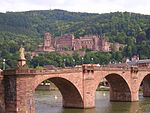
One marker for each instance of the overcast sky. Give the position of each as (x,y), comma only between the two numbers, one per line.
(91,6)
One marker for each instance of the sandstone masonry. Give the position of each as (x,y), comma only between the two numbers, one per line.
(69,42)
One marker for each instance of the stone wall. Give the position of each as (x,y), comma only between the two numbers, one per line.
(64,42)
(10,93)
(2,105)
(68,42)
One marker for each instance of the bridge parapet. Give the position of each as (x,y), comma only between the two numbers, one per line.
(105,68)
(88,69)
(29,71)
(134,69)
(144,69)
(84,69)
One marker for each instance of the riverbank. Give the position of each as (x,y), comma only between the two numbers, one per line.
(103,88)
(47,87)
(53,88)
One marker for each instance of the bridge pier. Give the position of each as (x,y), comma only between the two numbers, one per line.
(88,87)
(134,83)
(18,93)
(25,94)
(134,96)
(2,103)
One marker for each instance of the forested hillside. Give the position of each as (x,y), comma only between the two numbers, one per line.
(27,28)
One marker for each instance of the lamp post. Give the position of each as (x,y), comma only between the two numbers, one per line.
(92,60)
(74,62)
(64,62)
(82,60)
(4,64)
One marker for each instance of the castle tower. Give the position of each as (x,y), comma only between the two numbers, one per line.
(47,46)
(47,40)
(96,43)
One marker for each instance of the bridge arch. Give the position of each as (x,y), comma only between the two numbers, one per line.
(71,96)
(145,81)
(120,89)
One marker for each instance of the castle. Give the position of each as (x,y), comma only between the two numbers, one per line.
(69,42)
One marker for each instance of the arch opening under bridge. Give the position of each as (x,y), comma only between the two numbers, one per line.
(70,94)
(118,87)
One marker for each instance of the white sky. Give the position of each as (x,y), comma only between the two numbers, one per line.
(91,6)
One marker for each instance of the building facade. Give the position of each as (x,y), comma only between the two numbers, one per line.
(135,61)
(47,45)
(64,42)
(69,42)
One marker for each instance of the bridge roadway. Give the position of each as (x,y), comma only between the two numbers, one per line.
(77,85)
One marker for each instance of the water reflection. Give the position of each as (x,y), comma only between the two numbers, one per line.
(134,107)
(46,102)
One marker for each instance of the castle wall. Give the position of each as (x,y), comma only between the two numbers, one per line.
(47,45)
(87,42)
(64,42)
(68,42)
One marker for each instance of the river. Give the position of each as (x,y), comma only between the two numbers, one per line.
(51,102)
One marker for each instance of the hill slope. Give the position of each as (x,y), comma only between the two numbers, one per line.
(59,21)
(27,28)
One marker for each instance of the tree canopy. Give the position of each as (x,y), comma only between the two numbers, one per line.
(27,29)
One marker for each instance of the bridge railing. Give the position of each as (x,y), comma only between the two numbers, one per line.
(107,68)
(90,68)
(41,71)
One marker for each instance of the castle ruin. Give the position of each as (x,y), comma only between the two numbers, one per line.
(69,42)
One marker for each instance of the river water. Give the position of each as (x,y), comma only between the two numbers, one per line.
(51,102)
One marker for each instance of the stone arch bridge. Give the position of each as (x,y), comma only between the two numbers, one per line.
(77,85)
